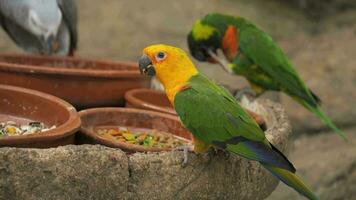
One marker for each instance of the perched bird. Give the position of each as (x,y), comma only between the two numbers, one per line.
(251,53)
(47,27)
(213,115)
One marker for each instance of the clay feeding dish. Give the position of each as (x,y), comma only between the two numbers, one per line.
(22,105)
(149,99)
(96,118)
(82,82)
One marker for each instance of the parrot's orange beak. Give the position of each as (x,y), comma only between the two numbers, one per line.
(146,67)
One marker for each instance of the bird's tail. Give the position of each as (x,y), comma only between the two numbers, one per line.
(291,180)
(325,119)
(273,160)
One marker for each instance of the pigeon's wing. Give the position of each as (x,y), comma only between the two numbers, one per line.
(70,15)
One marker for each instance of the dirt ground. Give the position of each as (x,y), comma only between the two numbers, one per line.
(322,47)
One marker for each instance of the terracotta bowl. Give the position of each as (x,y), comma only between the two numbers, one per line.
(24,105)
(149,99)
(82,82)
(129,117)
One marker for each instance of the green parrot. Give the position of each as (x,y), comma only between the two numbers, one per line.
(213,115)
(252,53)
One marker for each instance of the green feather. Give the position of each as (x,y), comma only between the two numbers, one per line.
(263,51)
(269,57)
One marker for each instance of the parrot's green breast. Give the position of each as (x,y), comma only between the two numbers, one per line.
(211,113)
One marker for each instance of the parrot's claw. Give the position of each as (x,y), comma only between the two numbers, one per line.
(243,91)
(224,153)
(212,152)
(218,152)
(186,149)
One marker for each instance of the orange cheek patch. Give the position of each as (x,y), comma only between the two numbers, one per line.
(230,42)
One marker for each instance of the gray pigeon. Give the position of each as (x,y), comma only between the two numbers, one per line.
(47,27)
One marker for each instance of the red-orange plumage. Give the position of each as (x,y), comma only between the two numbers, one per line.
(230,42)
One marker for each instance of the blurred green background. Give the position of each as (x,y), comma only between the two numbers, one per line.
(318,36)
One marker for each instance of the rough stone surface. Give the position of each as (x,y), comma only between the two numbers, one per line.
(326,163)
(69,172)
(97,172)
(204,178)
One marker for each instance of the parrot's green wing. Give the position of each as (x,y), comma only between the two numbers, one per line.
(259,47)
(215,117)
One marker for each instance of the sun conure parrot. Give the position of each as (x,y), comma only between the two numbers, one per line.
(251,53)
(213,115)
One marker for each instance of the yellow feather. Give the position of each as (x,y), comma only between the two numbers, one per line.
(201,31)
(200,146)
(174,71)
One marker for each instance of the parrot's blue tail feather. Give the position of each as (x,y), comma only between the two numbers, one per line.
(274,161)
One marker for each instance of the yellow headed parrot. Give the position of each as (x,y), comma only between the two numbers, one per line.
(213,115)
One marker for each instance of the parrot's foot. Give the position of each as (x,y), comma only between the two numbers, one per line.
(218,152)
(212,152)
(243,91)
(224,153)
(185,149)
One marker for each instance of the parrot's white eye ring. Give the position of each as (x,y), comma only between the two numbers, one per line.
(161,56)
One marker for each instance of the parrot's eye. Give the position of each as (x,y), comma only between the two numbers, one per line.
(160,56)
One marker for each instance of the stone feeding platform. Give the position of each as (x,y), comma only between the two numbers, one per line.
(98,172)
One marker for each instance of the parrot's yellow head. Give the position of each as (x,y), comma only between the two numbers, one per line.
(171,65)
